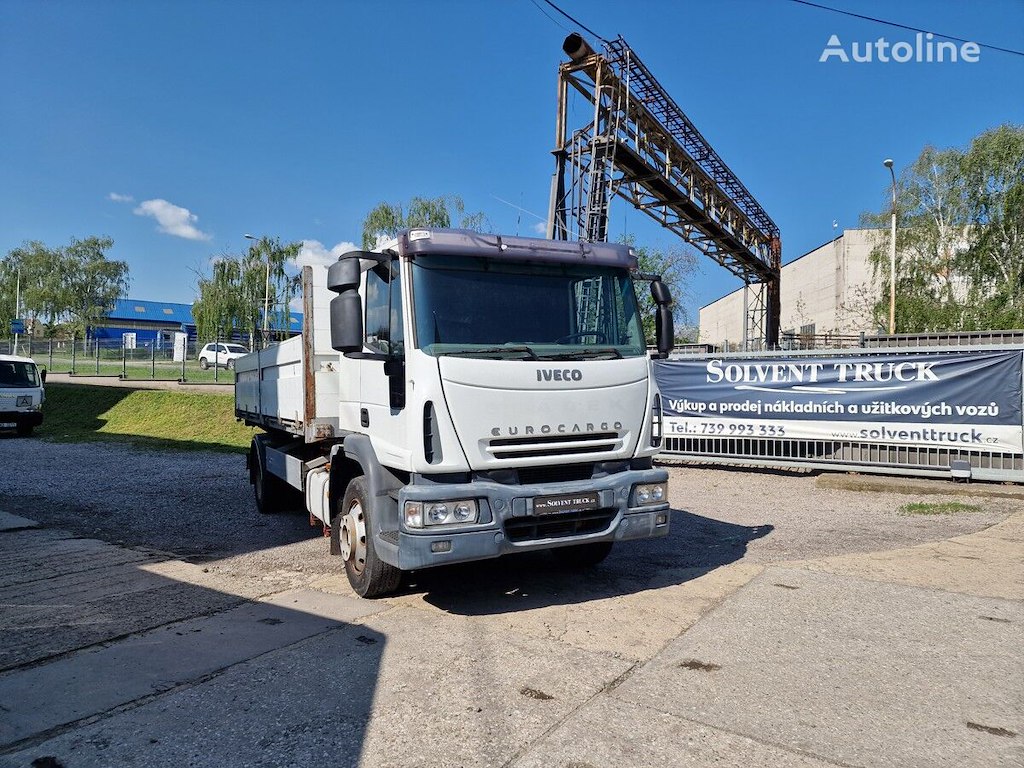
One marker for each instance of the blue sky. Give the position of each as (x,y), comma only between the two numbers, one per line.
(175,127)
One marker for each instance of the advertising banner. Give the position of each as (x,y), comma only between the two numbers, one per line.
(969,400)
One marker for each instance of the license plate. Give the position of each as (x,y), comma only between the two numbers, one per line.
(566,502)
(7,425)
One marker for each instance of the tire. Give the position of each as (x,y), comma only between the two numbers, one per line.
(24,430)
(369,575)
(582,555)
(204,363)
(268,490)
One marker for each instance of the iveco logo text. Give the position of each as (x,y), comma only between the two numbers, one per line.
(560,429)
(559,374)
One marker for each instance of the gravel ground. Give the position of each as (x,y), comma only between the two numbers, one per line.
(198,506)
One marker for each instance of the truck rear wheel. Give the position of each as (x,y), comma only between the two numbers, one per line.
(268,490)
(582,555)
(367,573)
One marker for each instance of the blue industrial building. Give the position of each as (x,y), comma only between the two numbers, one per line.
(158,323)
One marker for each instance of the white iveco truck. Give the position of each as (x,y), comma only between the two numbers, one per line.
(460,396)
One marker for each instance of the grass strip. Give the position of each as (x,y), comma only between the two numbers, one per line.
(148,418)
(937,508)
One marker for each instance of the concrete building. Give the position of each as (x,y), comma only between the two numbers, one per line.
(827,291)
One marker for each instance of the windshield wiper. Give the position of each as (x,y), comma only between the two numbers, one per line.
(521,349)
(585,354)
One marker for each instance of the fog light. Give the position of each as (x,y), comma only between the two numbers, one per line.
(661,518)
(440,546)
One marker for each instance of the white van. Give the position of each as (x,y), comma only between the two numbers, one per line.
(21,394)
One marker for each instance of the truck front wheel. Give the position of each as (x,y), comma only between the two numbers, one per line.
(368,574)
(24,430)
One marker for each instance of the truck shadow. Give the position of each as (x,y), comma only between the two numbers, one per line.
(105,659)
(695,546)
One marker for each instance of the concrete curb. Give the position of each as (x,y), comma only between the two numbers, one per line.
(164,384)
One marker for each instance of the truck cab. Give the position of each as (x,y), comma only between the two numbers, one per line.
(460,396)
(21,394)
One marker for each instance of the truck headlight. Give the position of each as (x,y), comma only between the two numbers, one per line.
(647,494)
(419,514)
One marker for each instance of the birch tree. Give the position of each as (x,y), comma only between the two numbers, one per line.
(960,238)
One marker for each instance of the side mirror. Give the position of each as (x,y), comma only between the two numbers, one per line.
(42,375)
(344,274)
(347,321)
(664,325)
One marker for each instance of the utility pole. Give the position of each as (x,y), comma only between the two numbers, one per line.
(892,252)
(17,309)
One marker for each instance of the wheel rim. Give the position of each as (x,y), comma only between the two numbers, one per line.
(353,537)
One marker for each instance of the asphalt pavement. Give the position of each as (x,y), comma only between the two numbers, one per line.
(127,655)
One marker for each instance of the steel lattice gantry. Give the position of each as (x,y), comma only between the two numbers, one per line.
(638,144)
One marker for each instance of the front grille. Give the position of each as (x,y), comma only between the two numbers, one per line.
(562,444)
(559,526)
(562,473)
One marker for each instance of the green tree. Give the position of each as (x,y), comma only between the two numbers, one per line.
(95,282)
(676,266)
(67,288)
(232,298)
(960,238)
(388,219)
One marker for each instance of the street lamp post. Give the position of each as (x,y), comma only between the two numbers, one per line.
(892,253)
(266,297)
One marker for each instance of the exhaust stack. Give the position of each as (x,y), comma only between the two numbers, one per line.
(576,48)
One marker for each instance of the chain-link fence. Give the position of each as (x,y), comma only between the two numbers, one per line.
(184,360)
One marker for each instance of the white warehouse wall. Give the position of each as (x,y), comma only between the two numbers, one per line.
(829,288)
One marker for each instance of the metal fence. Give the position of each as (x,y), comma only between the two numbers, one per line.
(852,455)
(116,358)
(830,342)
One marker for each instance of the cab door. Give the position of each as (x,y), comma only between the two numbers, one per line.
(382,383)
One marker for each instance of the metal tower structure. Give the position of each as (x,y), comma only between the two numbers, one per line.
(638,144)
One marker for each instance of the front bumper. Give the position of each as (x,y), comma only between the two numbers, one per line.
(507,523)
(14,419)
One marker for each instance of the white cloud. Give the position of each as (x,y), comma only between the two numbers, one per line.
(172,219)
(120,198)
(541,228)
(313,252)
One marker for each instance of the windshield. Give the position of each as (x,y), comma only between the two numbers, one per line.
(18,374)
(476,307)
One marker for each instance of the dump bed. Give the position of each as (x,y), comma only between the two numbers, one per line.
(294,386)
